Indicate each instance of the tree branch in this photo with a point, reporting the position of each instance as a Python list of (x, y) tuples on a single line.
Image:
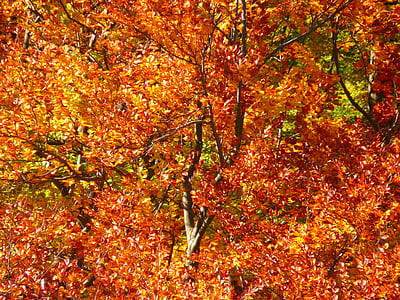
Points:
[(335, 56), (187, 185), (75, 20), (308, 32), (244, 28), (216, 137), (240, 105)]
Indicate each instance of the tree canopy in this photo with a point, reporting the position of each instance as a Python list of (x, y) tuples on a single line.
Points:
[(213, 149)]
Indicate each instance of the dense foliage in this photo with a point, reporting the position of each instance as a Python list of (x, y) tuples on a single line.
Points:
[(214, 149)]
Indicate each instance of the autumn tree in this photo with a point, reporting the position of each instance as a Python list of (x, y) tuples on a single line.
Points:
[(199, 149)]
